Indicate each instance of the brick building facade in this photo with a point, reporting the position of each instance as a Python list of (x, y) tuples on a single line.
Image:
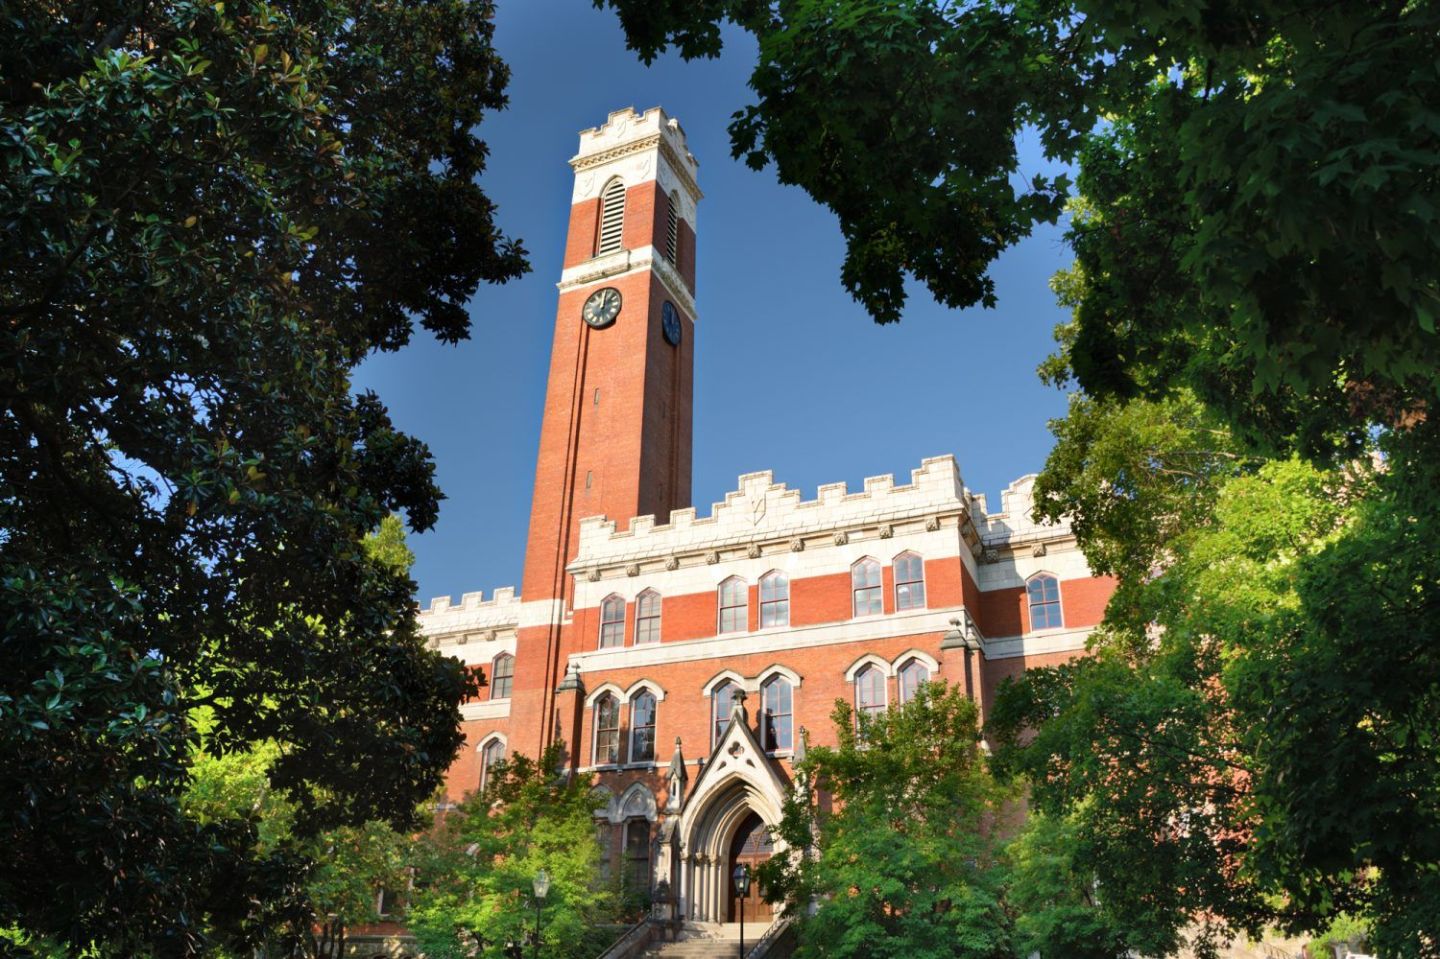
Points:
[(679, 655)]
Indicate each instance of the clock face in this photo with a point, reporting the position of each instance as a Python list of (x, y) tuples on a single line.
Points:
[(602, 307), (670, 323)]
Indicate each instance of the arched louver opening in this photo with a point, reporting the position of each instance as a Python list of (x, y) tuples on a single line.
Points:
[(612, 217), (672, 226)]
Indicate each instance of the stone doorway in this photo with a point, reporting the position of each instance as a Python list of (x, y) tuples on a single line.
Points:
[(751, 846)]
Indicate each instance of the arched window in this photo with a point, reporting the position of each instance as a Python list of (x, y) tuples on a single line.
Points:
[(911, 675), (642, 728), (502, 674), (734, 605), (722, 701), (612, 622), (647, 617), (774, 600), (1044, 593), (777, 705), (491, 753), (672, 225), (909, 582), (612, 217), (637, 855), (865, 582), (607, 730), (869, 691)]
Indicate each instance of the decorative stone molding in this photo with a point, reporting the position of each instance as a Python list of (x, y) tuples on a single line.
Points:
[(754, 551), (1039, 550), (797, 545), (633, 569), (712, 557), (932, 524), (841, 538), (593, 574), (672, 562), (887, 530)]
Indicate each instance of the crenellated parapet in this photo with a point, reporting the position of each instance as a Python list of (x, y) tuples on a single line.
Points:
[(762, 516), (474, 619), (1013, 525)]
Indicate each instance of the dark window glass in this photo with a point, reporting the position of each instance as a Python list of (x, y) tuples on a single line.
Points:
[(865, 581), (774, 600), (724, 700), (912, 674), (502, 674), (734, 606), (777, 702), (870, 691), (637, 854), (642, 728), (909, 582), (647, 618), (1044, 593), (493, 753), (607, 730), (612, 622)]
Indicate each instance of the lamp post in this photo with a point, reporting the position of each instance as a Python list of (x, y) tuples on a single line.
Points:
[(542, 888), (741, 875)]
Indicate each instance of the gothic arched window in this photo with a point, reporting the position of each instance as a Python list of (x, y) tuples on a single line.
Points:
[(647, 617), (774, 600), (612, 622), (491, 753), (1043, 591), (607, 730), (869, 691), (722, 701), (909, 582), (865, 583), (612, 217), (911, 675), (642, 728), (734, 605), (637, 855), (502, 675), (777, 706)]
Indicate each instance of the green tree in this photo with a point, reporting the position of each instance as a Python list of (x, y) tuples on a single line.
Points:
[(211, 213), (474, 885), (905, 864)]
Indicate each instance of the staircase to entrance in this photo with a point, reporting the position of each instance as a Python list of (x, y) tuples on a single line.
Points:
[(709, 940)]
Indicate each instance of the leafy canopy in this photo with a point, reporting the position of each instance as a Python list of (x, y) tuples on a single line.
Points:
[(209, 214), (903, 861)]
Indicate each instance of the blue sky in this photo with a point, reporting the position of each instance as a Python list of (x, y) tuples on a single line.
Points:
[(791, 375)]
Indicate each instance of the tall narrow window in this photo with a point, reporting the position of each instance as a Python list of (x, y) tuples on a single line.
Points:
[(1044, 593), (909, 582), (607, 730), (776, 700), (612, 217), (502, 674), (647, 617), (642, 728), (774, 600), (637, 855), (612, 622), (672, 225), (869, 691), (734, 605), (865, 582), (493, 752), (723, 700), (911, 675)]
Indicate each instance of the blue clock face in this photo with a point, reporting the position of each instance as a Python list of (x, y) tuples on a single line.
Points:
[(670, 323)]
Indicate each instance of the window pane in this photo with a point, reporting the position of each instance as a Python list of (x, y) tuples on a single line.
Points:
[(909, 595), (868, 601), (865, 574)]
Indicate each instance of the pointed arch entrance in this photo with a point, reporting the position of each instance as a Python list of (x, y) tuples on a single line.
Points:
[(751, 846)]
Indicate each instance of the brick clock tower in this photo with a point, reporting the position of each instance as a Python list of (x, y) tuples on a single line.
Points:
[(616, 434)]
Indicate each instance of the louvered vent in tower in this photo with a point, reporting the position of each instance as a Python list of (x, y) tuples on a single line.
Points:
[(612, 217), (672, 227)]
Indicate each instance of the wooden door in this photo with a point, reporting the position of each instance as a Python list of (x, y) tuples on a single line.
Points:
[(751, 847)]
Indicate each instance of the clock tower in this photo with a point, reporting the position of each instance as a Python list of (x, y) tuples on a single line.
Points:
[(616, 435)]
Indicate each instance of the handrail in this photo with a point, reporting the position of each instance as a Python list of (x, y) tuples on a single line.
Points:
[(623, 946), (771, 936)]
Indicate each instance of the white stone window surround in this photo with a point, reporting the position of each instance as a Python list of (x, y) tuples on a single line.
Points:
[(610, 232), (595, 729), (486, 709), (732, 583), (629, 709), (778, 672), (878, 589), (887, 669), (897, 583), (480, 750), (495, 659), (1059, 601), (607, 606), (647, 593), (920, 656), (727, 675)]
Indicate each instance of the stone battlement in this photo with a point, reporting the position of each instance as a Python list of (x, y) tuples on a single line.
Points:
[(624, 127), (474, 611), (761, 509)]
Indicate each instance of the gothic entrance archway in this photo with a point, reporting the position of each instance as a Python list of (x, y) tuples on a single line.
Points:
[(751, 846)]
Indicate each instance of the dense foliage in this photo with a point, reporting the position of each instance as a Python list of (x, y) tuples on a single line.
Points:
[(209, 214), (474, 889), (1253, 452), (903, 860)]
